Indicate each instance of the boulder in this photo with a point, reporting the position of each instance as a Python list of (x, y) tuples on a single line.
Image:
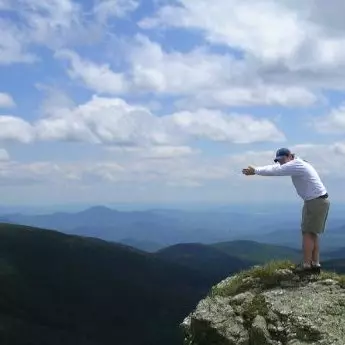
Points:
[(270, 305)]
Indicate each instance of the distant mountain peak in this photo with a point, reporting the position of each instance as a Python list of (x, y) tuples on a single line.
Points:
[(99, 209)]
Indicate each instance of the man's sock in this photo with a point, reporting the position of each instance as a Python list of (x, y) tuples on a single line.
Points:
[(316, 263), (306, 264)]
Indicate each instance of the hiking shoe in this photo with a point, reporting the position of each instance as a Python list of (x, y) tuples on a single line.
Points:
[(316, 269), (301, 269)]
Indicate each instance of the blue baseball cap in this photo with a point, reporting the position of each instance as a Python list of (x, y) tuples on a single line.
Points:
[(281, 153)]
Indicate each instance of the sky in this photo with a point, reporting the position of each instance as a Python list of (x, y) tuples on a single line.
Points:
[(157, 101)]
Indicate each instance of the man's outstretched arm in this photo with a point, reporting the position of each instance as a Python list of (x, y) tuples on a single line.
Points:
[(288, 169)]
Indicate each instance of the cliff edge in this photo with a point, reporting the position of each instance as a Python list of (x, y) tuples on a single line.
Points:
[(270, 305)]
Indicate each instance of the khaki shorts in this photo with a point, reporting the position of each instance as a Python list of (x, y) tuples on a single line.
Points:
[(314, 215)]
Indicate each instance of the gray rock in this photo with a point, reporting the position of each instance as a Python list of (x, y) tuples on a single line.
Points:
[(329, 282), (242, 298), (272, 317), (295, 311), (214, 322), (259, 334), (284, 274)]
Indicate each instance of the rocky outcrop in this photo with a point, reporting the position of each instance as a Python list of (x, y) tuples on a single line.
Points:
[(270, 305)]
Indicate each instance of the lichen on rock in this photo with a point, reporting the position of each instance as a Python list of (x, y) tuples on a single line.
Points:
[(270, 305)]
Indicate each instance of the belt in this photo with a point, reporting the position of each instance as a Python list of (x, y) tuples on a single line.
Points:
[(325, 196)]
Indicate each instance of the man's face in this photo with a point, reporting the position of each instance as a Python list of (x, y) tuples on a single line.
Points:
[(284, 160)]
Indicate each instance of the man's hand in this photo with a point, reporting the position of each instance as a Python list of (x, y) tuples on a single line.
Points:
[(248, 171)]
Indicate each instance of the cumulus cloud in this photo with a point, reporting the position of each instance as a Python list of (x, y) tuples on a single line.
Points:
[(187, 171), (218, 126), (215, 79), (13, 173), (15, 129), (184, 171), (246, 26), (287, 42), (47, 23), (112, 120), (107, 120), (13, 45), (156, 152), (334, 122), (269, 95), (6, 101), (106, 9), (99, 78), (205, 78), (4, 156), (54, 24), (153, 69)]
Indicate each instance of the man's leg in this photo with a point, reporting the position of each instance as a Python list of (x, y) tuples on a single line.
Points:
[(308, 248), (316, 251), (322, 210), (307, 240)]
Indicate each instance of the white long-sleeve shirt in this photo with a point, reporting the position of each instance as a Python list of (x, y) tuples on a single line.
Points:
[(304, 177)]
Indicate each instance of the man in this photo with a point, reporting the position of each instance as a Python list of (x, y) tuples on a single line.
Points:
[(316, 204)]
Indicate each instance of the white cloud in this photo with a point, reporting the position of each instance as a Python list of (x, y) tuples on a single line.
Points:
[(6, 101), (107, 120), (55, 99), (16, 174), (155, 152), (269, 95), (105, 9), (152, 69), (13, 45), (339, 149), (208, 79), (305, 47), (50, 19), (174, 171), (175, 73), (48, 23), (15, 129), (55, 24), (4, 156), (99, 78), (112, 120), (334, 122), (269, 74), (248, 26), (187, 171), (243, 25), (218, 126), (204, 78)]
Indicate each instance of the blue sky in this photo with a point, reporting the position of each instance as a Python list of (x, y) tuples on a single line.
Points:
[(166, 101)]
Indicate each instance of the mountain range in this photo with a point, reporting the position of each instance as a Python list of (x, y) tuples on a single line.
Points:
[(151, 230), (63, 289)]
